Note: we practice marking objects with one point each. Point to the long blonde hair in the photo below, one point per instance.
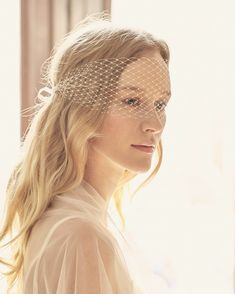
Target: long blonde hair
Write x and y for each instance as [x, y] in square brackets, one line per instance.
[53, 158]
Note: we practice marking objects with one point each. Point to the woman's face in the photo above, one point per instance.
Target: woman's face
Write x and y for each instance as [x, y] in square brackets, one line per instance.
[121, 132]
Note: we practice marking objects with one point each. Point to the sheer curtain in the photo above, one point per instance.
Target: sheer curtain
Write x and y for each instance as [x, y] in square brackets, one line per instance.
[186, 226]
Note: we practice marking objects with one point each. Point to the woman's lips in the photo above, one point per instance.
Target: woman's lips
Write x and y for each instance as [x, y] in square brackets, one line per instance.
[144, 148]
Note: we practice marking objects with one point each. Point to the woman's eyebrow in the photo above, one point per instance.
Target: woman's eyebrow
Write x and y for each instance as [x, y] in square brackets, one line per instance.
[131, 88]
[168, 93]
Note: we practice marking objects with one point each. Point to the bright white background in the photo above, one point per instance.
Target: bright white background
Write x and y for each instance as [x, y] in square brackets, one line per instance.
[184, 220]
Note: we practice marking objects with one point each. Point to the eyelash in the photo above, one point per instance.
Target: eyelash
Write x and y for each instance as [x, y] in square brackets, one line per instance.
[137, 99]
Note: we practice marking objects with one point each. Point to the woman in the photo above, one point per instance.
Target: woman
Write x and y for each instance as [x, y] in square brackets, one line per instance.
[99, 127]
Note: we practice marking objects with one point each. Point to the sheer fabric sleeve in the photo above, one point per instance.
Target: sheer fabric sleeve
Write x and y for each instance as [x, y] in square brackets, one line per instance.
[80, 259]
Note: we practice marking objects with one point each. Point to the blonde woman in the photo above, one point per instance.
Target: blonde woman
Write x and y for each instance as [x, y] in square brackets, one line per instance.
[99, 128]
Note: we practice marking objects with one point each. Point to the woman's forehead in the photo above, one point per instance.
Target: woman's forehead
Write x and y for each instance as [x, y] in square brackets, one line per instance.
[145, 74]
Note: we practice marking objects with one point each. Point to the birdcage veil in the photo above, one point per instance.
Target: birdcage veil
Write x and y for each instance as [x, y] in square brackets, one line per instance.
[118, 85]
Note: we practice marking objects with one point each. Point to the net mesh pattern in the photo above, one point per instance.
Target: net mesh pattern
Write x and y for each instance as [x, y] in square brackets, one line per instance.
[131, 87]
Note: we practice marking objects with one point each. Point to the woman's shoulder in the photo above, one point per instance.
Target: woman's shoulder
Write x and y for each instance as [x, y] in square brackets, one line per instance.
[77, 228]
[76, 251]
[52, 233]
[85, 234]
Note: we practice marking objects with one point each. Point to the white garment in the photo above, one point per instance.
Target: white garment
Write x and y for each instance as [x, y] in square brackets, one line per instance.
[71, 249]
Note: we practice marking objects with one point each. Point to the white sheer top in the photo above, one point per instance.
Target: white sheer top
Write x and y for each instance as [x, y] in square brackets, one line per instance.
[73, 249]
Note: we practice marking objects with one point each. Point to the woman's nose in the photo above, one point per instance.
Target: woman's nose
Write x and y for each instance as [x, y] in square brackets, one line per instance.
[154, 124]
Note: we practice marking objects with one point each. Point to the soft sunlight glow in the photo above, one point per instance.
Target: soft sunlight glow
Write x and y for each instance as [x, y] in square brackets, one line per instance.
[183, 221]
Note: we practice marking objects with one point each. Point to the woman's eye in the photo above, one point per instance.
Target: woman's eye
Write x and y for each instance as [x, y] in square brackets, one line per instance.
[160, 105]
[132, 101]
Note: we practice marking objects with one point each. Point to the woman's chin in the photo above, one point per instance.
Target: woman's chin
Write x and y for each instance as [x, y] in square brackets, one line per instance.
[141, 168]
